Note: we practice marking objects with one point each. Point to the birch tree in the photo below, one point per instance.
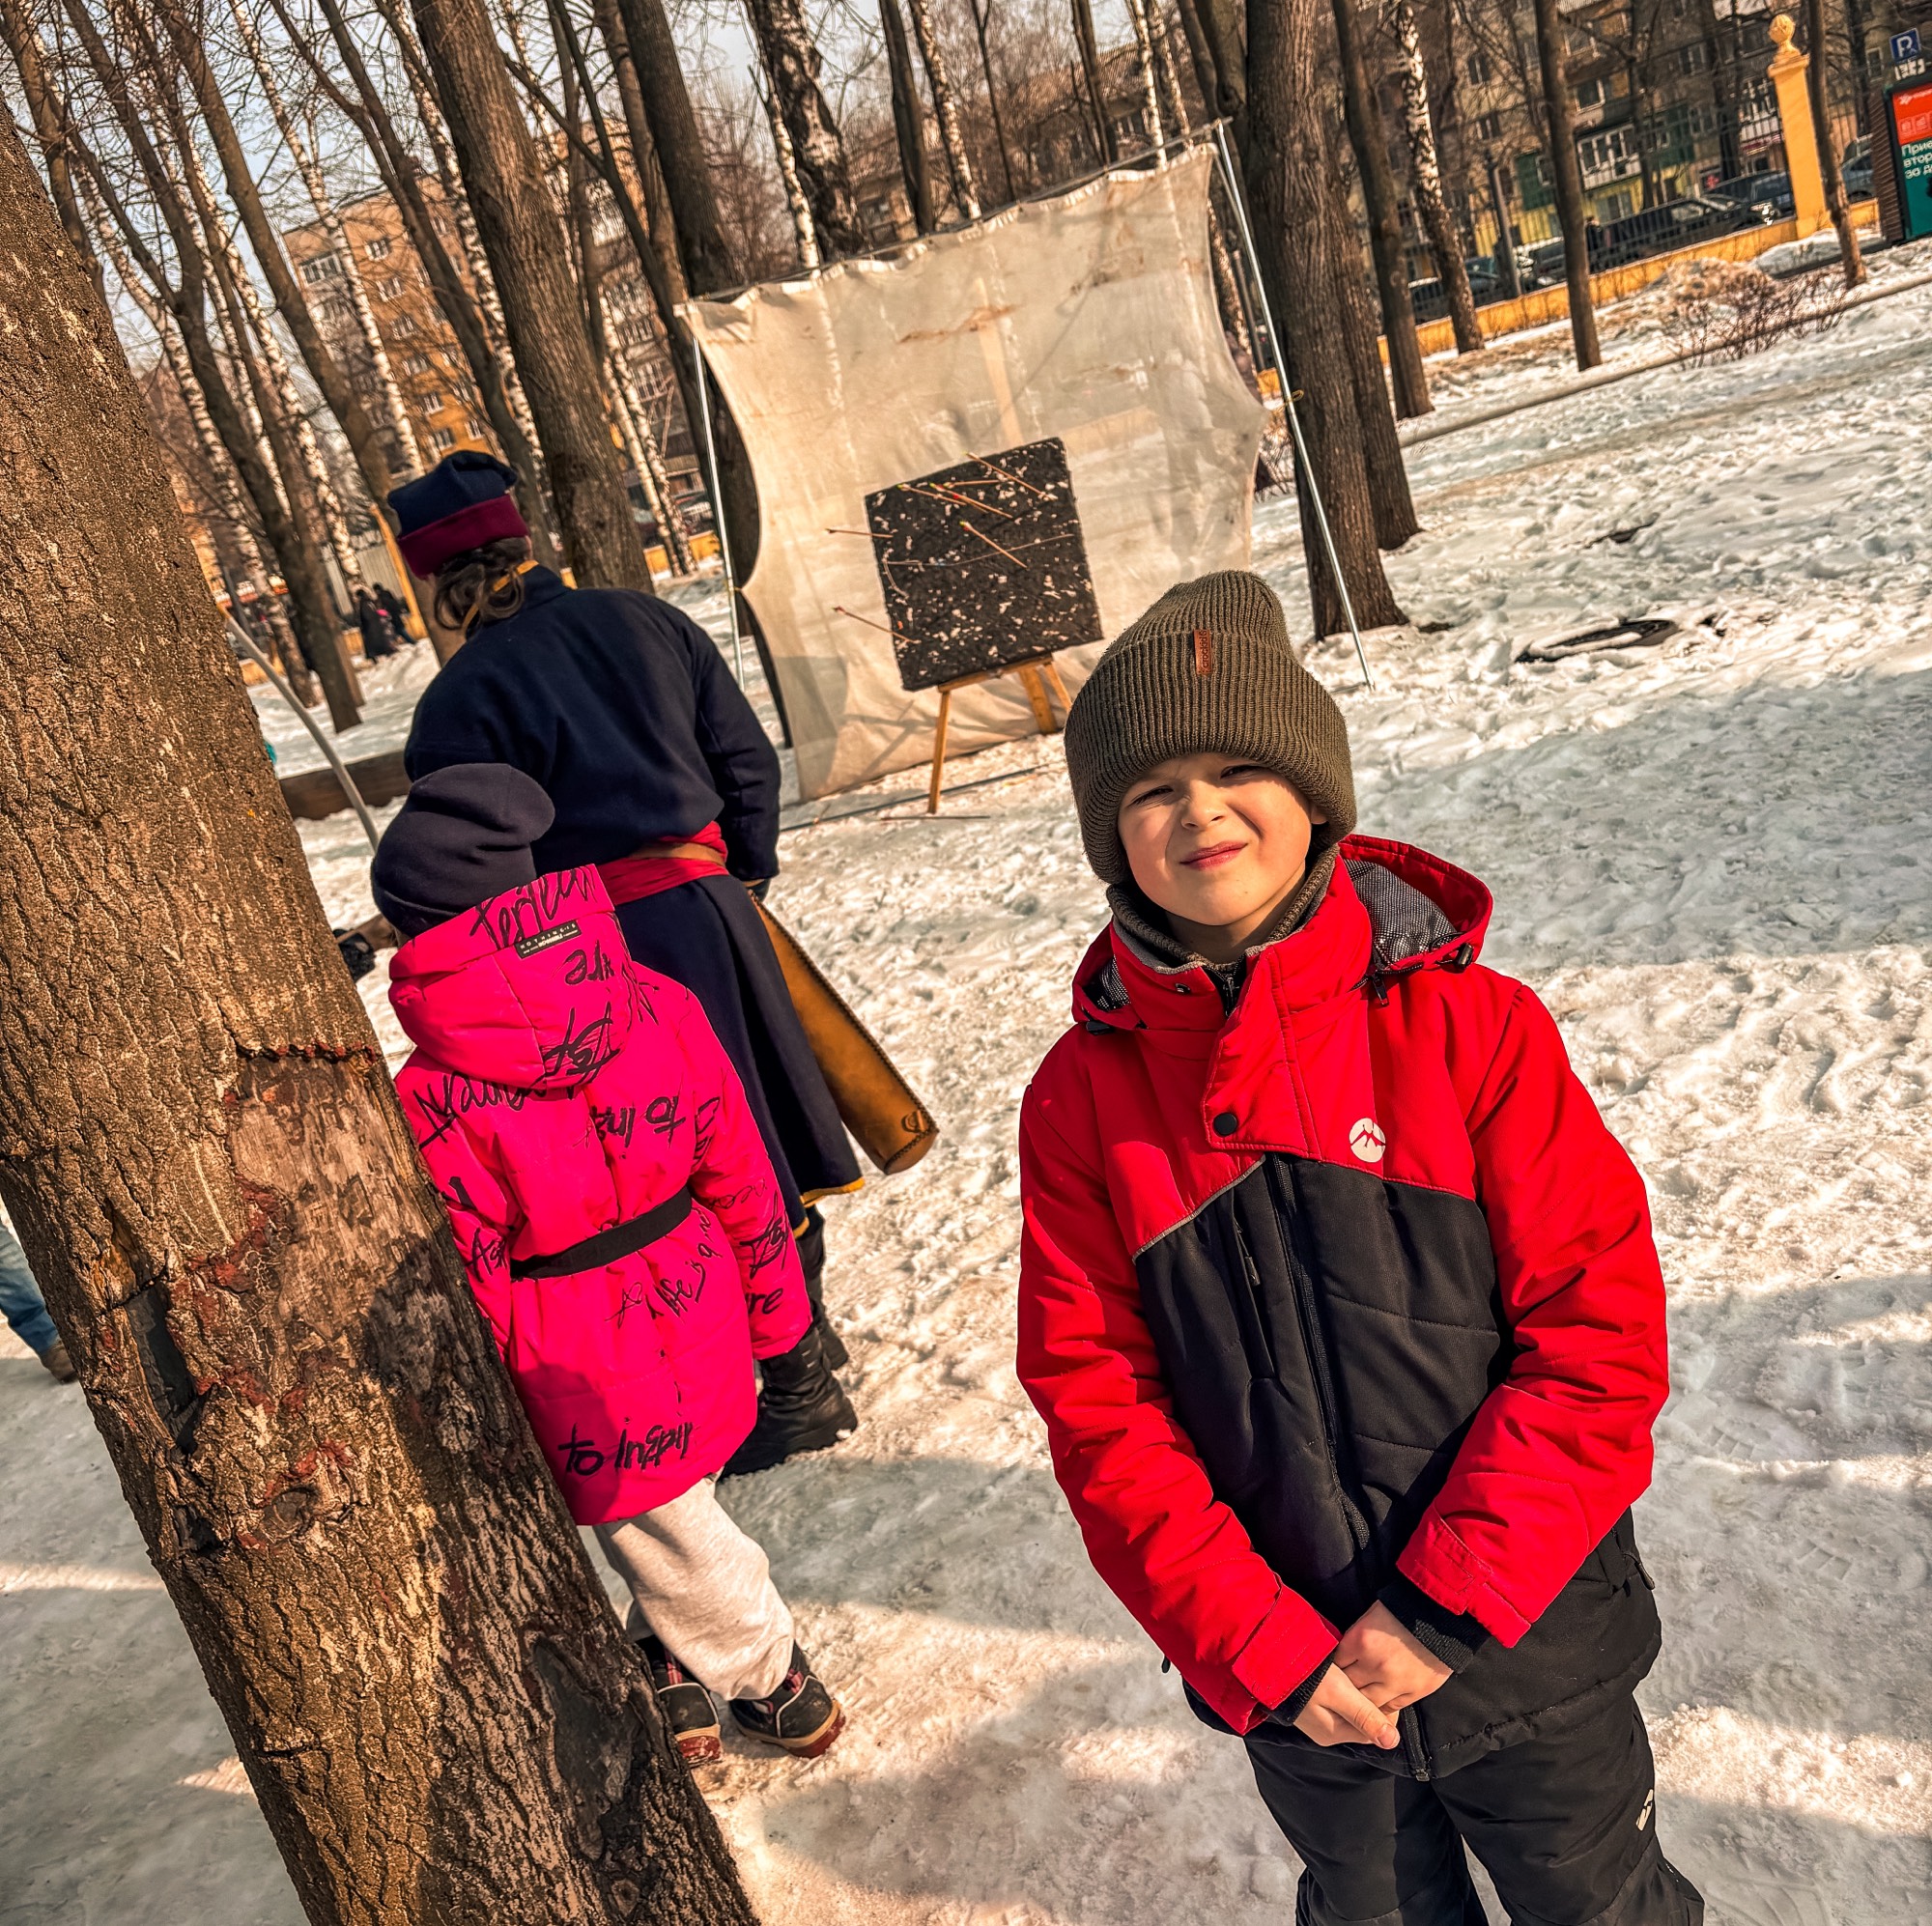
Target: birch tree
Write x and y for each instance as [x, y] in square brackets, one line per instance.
[944, 110]
[1425, 179]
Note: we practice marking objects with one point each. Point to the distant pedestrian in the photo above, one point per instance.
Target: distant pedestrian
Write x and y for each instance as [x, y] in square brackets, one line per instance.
[1341, 1305]
[375, 628]
[620, 1223]
[25, 1309]
[394, 613]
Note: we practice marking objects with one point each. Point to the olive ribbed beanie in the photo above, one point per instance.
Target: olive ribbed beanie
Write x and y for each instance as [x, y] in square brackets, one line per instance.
[1208, 668]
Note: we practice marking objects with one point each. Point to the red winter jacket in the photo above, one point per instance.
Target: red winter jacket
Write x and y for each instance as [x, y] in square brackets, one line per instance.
[1349, 1281]
[611, 1193]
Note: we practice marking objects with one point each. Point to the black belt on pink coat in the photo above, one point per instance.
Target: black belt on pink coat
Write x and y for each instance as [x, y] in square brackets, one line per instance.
[621, 1240]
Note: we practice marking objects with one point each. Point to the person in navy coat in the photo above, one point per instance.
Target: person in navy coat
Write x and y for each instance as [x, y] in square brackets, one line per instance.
[622, 709]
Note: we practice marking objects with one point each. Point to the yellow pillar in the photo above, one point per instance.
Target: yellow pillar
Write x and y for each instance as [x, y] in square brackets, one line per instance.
[1801, 145]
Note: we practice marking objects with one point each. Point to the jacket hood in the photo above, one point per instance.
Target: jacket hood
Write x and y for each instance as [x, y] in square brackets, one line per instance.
[1390, 909]
[531, 989]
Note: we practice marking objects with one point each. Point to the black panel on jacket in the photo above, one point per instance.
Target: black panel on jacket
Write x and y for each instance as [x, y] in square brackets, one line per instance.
[1327, 1336]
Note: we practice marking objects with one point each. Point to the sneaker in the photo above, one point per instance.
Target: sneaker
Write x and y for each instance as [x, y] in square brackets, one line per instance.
[686, 1707]
[801, 1716]
[57, 1361]
[801, 1407]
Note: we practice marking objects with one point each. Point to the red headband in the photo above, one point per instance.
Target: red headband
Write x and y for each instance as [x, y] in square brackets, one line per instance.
[428, 547]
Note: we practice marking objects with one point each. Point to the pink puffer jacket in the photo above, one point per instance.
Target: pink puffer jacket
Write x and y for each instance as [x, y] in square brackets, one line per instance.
[561, 1092]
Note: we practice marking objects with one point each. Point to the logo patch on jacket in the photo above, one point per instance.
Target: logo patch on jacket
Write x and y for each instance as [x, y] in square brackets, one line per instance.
[1367, 1141]
[549, 939]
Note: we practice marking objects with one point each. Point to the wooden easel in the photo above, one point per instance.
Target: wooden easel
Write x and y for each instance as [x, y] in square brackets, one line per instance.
[1036, 673]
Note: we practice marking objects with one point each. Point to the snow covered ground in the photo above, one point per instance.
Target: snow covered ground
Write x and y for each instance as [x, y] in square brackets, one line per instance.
[1713, 859]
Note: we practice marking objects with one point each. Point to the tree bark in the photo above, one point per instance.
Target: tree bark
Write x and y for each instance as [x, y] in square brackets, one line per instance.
[708, 263]
[1287, 167]
[1369, 139]
[1559, 120]
[1817, 87]
[791, 62]
[1096, 86]
[1224, 27]
[803, 230]
[1381, 450]
[944, 110]
[502, 176]
[908, 122]
[23, 42]
[1149, 79]
[437, 1709]
[644, 159]
[267, 247]
[1425, 179]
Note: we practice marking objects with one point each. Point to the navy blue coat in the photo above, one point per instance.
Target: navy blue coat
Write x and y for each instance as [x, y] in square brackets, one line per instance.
[622, 708]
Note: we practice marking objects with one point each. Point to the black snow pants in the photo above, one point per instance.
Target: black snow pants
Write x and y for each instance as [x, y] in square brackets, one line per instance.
[1565, 1825]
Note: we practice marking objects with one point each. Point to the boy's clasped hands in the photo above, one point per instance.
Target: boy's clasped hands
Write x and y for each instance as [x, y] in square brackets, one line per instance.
[1377, 1668]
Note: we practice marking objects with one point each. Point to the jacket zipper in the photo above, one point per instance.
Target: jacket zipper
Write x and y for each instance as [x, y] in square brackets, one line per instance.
[1313, 1342]
[1409, 1725]
[1251, 1272]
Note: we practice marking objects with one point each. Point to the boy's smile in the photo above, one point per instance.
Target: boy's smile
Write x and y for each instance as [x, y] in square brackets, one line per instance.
[1218, 843]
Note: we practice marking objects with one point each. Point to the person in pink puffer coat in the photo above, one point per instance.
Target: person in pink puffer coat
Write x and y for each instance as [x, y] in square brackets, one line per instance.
[620, 1223]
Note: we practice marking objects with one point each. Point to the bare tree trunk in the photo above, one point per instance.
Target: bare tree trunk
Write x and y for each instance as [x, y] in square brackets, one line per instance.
[908, 122]
[1288, 167]
[23, 42]
[1149, 82]
[1097, 85]
[1817, 86]
[1173, 103]
[1369, 139]
[267, 247]
[1425, 177]
[791, 56]
[1381, 451]
[644, 157]
[708, 265]
[1206, 76]
[437, 1709]
[502, 176]
[311, 609]
[1559, 117]
[801, 228]
[981, 10]
[944, 110]
[368, 113]
[324, 203]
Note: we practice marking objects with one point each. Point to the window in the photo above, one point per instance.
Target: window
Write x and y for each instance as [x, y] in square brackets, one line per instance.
[1480, 73]
[389, 288]
[415, 364]
[403, 323]
[1695, 58]
[322, 267]
[1489, 127]
[431, 402]
[377, 248]
[442, 439]
[1589, 92]
[478, 432]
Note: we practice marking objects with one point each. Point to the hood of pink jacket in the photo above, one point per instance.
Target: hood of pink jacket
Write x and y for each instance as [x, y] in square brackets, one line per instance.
[529, 989]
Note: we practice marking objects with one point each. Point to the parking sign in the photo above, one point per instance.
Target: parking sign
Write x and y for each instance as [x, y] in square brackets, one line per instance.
[1905, 46]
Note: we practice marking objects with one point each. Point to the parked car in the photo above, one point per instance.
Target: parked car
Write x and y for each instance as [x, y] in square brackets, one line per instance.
[1857, 168]
[1769, 192]
[1676, 224]
[1546, 263]
[1431, 299]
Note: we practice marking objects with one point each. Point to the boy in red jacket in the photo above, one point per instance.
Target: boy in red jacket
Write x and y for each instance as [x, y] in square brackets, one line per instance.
[1341, 1306]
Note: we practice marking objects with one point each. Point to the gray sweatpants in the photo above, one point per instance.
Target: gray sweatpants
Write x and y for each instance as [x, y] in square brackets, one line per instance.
[705, 1589]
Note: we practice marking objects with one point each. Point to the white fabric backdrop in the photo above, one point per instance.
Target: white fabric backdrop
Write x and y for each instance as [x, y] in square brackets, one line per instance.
[1090, 317]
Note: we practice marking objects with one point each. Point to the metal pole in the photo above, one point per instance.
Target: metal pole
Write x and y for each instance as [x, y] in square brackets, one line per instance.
[718, 512]
[308, 721]
[1307, 477]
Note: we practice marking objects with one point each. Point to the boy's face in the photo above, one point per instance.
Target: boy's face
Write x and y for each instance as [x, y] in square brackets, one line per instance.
[1217, 843]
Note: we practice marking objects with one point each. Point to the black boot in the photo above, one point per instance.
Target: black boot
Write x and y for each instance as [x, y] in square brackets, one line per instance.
[801, 1716]
[811, 1260]
[686, 1706]
[802, 1407]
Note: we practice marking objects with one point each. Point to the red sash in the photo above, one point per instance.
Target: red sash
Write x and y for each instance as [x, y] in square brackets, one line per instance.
[659, 866]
